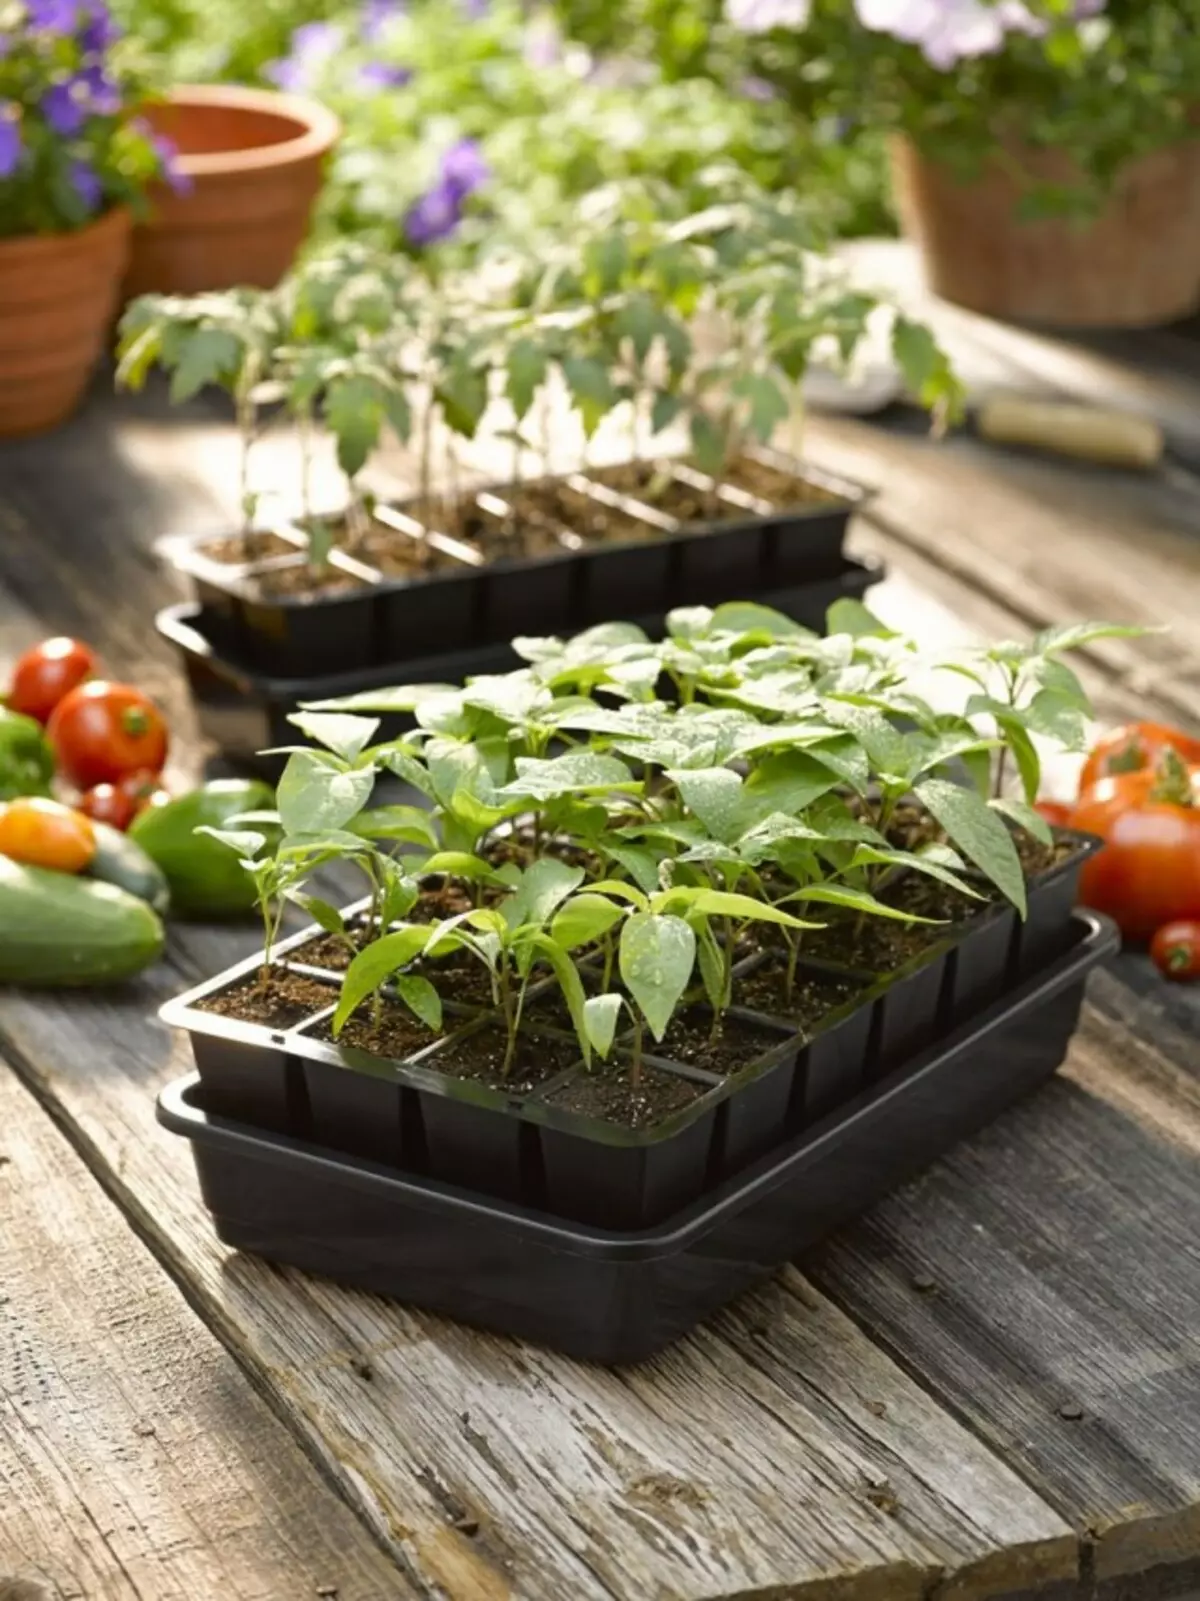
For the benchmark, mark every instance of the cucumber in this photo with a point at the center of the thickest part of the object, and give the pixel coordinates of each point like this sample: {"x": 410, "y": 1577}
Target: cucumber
{"x": 118, "y": 860}
{"x": 205, "y": 877}
{"x": 58, "y": 930}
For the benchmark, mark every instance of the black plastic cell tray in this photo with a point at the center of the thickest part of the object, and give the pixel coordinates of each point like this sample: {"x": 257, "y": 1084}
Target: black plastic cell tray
{"x": 519, "y": 1145}
{"x": 244, "y": 711}
{"x": 614, "y": 1296}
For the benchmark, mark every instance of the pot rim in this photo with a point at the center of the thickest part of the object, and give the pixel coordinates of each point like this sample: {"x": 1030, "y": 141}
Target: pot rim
{"x": 321, "y": 128}
{"x": 32, "y": 246}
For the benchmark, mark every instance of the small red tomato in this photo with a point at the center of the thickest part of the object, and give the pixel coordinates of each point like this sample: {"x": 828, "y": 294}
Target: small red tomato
{"x": 1148, "y": 872}
{"x": 102, "y": 732}
{"x": 143, "y": 789}
{"x": 48, "y": 672}
{"x": 107, "y": 803}
{"x": 44, "y": 833}
{"x": 1176, "y": 950}
{"x": 1056, "y": 813}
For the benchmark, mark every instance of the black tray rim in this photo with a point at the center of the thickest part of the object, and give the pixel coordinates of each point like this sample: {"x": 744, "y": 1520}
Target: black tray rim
{"x": 178, "y": 1111}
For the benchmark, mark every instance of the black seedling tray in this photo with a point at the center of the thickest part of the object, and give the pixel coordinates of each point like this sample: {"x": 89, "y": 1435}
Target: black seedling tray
{"x": 467, "y": 603}
{"x": 613, "y": 1296}
{"x": 245, "y": 712}
{"x": 518, "y": 1143}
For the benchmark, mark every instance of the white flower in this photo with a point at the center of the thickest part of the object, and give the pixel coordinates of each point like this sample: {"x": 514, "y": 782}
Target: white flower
{"x": 760, "y": 16}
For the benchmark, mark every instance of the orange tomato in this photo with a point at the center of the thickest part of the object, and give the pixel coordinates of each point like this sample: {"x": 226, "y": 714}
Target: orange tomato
{"x": 44, "y": 833}
{"x": 1132, "y": 749}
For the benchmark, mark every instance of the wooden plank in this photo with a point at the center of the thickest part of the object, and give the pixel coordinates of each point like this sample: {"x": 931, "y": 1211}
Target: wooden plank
{"x": 494, "y": 1469}
{"x": 136, "y": 1462}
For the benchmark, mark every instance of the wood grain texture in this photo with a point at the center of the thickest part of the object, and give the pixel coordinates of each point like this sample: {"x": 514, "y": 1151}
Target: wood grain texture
{"x": 136, "y": 1463}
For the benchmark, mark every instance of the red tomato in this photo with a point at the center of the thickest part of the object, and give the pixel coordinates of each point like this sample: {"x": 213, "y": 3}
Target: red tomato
{"x": 1148, "y": 873}
{"x": 1176, "y": 950}
{"x": 143, "y": 789}
{"x": 1132, "y": 748}
{"x": 43, "y": 833}
{"x": 107, "y": 803}
{"x": 46, "y": 673}
{"x": 1057, "y": 813}
{"x": 102, "y": 732}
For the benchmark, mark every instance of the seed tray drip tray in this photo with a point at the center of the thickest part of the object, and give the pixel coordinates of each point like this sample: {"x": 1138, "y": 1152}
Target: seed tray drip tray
{"x": 616, "y": 1297}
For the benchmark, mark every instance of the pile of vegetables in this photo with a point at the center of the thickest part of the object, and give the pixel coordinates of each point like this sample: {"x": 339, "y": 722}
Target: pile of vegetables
{"x": 1139, "y": 792}
{"x": 93, "y": 849}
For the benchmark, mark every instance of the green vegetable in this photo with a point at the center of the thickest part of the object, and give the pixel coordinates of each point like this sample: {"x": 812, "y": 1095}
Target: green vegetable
{"x": 26, "y": 757}
{"x": 205, "y": 878}
{"x": 58, "y": 930}
{"x": 121, "y": 861}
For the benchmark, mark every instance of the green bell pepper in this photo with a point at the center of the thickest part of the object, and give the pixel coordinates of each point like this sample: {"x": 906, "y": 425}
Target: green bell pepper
{"x": 26, "y": 757}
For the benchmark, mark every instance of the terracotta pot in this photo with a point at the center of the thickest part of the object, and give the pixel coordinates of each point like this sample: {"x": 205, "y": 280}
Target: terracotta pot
{"x": 58, "y": 293}
{"x": 1134, "y": 265}
{"x": 254, "y": 162}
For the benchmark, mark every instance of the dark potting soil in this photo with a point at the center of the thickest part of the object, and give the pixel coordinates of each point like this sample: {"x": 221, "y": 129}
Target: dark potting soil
{"x": 395, "y": 1033}
{"x": 653, "y": 484}
{"x": 478, "y": 1055}
{"x": 234, "y": 549}
{"x": 458, "y": 976}
{"x": 395, "y": 554}
{"x": 812, "y": 998}
{"x": 329, "y": 952}
{"x": 881, "y": 944}
{"x": 521, "y": 846}
{"x": 523, "y": 533}
{"x": 781, "y": 488}
{"x": 299, "y": 581}
{"x": 738, "y": 1042}
{"x": 283, "y": 1001}
{"x": 611, "y": 1096}
{"x": 590, "y": 519}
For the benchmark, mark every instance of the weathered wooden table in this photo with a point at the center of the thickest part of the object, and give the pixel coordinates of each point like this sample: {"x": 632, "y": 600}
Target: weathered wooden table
{"x": 988, "y": 1387}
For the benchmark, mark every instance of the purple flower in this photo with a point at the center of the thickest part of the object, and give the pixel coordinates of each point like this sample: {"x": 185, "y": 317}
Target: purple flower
{"x": 100, "y": 31}
{"x": 103, "y": 96}
{"x": 379, "y": 75}
{"x": 755, "y": 88}
{"x": 63, "y": 108}
{"x": 86, "y": 185}
{"x": 434, "y": 216}
{"x": 10, "y": 139}
{"x": 167, "y": 152}
{"x": 543, "y": 42}
{"x": 473, "y": 10}
{"x": 463, "y": 169}
{"x": 314, "y": 44}
{"x": 376, "y": 14}
{"x": 53, "y": 16}
{"x": 950, "y": 31}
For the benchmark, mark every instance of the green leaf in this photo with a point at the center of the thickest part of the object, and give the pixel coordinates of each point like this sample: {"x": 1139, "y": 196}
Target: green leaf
{"x": 461, "y": 864}
{"x": 748, "y": 617}
{"x": 542, "y": 887}
{"x": 640, "y": 864}
{"x": 1025, "y": 817}
{"x": 373, "y": 965}
{"x": 1059, "y": 718}
{"x": 314, "y": 796}
{"x": 664, "y": 411}
{"x": 978, "y": 833}
{"x": 209, "y": 356}
{"x": 584, "y": 919}
{"x": 322, "y": 913}
{"x": 709, "y": 443}
{"x": 657, "y": 956}
{"x": 354, "y": 415}
{"x": 716, "y": 796}
{"x": 591, "y": 390}
{"x": 340, "y": 732}
{"x": 578, "y": 773}
{"x": 600, "y": 1016}
{"x": 852, "y": 617}
{"x": 639, "y": 320}
{"x": 419, "y": 995}
{"x": 724, "y": 903}
{"x": 525, "y": 365}
{"x": 571, "y": 985}
{"x": 712, "y": 969}
{"x": 1072, "y": 636}
{"x": 411, "y": 825}
{"x": 244, "y": 841}
{"x": 855, "y": 900}
{"x": 767, "y": 403}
